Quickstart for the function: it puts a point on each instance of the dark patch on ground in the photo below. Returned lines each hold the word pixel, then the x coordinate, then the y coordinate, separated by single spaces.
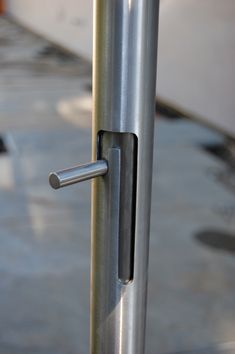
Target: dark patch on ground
pixel 3 148
pixel 52 58
pixel 167 111
pixel 57 53
pixel 217 239
pixel 225 152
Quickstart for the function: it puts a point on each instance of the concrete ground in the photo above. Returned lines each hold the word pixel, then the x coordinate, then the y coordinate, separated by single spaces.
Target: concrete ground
pixel 45 119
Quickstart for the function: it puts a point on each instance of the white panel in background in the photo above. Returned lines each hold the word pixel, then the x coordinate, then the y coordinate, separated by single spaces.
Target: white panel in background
pixel 196 61
pixel 66 22
pixel 196 64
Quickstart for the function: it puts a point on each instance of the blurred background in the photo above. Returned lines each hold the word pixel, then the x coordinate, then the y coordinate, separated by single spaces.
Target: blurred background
pixel 45 125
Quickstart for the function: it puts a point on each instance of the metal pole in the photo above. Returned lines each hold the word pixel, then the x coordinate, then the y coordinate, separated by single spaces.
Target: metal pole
pixel 124 80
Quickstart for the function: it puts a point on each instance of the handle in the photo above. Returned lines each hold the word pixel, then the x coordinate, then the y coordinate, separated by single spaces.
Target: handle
pixel 78 174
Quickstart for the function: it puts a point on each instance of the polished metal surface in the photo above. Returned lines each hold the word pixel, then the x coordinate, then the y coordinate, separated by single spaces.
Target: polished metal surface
pixel 78 174
pixel 124 80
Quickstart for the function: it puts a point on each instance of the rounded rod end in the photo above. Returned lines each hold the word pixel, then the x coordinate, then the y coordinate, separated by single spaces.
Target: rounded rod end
pixel 77 174
pixel 54 180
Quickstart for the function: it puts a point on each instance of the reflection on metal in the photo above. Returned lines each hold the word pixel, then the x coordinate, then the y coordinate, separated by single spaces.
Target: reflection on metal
pixel 124 78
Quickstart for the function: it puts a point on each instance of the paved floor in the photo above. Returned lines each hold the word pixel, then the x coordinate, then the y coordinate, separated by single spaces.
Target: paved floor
pixel 44 234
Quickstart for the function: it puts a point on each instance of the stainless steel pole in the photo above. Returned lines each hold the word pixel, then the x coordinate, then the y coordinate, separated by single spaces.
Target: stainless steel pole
pixel 124 81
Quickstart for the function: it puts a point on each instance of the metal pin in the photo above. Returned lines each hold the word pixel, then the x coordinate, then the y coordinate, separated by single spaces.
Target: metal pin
pixel 78 174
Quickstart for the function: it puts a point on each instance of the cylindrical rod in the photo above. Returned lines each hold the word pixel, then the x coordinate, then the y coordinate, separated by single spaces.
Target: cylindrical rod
pixel 77 174
pixel 124 81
